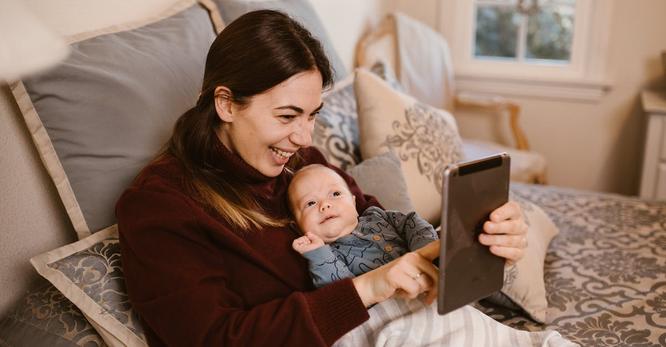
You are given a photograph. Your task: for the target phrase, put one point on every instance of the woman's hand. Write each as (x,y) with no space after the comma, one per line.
(407,276)
(506,232)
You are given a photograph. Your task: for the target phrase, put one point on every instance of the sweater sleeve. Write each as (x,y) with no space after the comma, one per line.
(412,228)
(177,283)
(325,267)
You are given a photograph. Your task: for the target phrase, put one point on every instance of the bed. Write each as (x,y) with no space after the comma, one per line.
(604,273)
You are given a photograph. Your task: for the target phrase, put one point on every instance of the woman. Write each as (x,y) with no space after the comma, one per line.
(203,229)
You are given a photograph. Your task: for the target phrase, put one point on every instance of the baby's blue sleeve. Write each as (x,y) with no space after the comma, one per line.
(325,267)
(416,231)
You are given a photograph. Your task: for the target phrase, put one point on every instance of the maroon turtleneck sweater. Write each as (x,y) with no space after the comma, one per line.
(197,281)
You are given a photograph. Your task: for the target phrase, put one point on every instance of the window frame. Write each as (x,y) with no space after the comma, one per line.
(584,78)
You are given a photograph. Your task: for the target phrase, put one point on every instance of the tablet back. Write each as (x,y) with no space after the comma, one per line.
(468,271)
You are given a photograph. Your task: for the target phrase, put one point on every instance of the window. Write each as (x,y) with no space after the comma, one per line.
(552,48)
(541,31)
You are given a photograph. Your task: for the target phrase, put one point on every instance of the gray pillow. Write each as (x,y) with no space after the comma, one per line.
(111,105)
(382,177)
(300,10)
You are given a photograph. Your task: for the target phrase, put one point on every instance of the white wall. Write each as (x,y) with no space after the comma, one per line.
(599,146)
(594,146)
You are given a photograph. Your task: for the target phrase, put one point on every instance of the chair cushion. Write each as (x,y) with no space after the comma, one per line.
(526,166)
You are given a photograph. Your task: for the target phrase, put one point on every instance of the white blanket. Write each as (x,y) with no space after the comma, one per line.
(425,67)
(398,322)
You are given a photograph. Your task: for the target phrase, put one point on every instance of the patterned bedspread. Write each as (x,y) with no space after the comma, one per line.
(605,272)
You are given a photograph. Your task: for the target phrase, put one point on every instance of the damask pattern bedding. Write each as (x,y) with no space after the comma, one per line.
(605,272)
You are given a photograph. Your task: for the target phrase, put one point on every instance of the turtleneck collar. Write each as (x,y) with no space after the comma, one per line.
(232,163)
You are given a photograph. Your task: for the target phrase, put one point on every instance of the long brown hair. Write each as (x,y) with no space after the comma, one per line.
(251,55)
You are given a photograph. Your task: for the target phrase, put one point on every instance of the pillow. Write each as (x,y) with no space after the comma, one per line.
(46,318)
(300,10)
(336,127)
(523,281)
(424,138)
(103,113)
(381,177)
(89,273)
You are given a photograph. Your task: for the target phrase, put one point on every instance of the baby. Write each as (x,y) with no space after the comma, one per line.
(337,242)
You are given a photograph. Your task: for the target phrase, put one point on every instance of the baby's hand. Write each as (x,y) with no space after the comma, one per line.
(307,243)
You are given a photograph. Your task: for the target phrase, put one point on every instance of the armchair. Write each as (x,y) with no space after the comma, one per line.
(421,61)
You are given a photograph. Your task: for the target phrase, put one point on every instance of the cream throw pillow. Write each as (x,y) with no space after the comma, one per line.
(523,281)
(423,137)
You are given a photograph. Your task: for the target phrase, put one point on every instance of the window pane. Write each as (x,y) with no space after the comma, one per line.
(496,31)
(550,32)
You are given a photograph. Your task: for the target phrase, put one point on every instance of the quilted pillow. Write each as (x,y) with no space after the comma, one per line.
(424,138)
(102,114)
(46,318)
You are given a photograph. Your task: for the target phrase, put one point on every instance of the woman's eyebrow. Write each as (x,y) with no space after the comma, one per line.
(298,109)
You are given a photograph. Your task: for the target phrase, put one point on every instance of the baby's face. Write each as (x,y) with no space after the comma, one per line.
(322,204)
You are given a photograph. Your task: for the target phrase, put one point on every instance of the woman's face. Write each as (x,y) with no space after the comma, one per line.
(267,131)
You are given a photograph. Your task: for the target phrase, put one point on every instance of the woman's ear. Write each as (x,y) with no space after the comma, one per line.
(223,103)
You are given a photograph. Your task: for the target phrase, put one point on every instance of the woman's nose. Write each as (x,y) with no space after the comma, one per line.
(302,134)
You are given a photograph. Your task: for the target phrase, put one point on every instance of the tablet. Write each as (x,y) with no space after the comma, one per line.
(470,191)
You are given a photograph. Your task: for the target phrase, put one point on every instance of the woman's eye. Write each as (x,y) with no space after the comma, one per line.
(287,117)
(313,116)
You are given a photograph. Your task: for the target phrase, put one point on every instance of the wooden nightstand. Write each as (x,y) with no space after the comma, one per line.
(653,179)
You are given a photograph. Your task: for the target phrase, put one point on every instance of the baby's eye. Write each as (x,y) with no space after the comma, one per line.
(310,204)
(337,193)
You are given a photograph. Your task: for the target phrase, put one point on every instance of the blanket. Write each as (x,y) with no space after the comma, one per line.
(397,322)
(416,69)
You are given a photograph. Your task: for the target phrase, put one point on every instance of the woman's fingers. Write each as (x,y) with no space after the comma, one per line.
(516,241)
(422,271)
(509,253)
(513,226)
(510,210)
(429,251)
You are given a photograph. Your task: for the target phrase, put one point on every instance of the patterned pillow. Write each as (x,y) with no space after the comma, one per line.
(424,138)
(46,318)
(89,274)
(336,129)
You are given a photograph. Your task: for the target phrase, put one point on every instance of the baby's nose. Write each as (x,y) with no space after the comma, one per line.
(325,206)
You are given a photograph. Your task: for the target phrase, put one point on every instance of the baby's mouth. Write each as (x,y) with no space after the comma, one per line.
(327,218)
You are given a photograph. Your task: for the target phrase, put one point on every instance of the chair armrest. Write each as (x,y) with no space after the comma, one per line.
(496,104)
